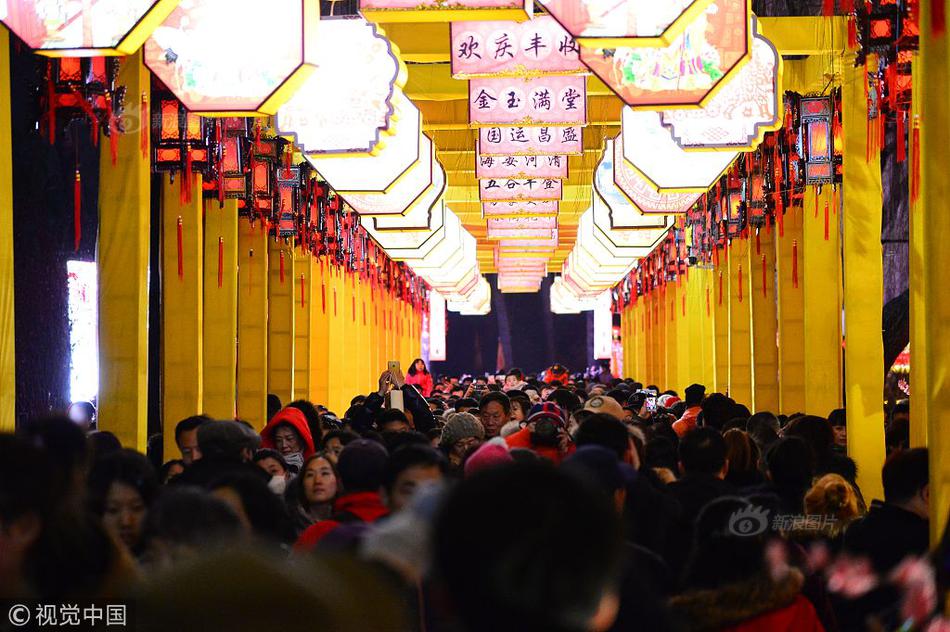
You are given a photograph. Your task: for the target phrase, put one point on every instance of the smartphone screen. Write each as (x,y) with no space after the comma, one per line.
(393,366)
(395,400)
(651,404)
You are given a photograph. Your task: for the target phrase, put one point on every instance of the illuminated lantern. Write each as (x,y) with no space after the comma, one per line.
(419,216)
(514,283)
(652,153)
(741,112)
(553,167)
(377,172)
(495,49)
(451,251)
(686,73)
(180,139)
(351,117)
(289,183)
(816,140)
(515,190)
(410,244)
(548,100)
(445,10)
(637,236)
(626,23)
(531,141)
(603,327)
(478,302)
(436,327)
(404,192)
(563,301)
(232,159)
(204,53)
(735,216)
(517,228)
(84,29)
(540,208)
(622,186)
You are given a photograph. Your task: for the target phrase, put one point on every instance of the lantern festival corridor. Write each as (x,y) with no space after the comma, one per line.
(485,315)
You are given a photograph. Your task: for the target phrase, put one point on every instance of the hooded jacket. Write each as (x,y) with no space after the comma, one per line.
(296,419)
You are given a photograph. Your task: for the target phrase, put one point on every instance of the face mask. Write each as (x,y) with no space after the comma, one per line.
(277,484)
(294,460)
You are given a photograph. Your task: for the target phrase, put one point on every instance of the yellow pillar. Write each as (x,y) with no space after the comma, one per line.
(319,335)
(363,336)
(7,338)
(863,290)
(790,316)
(338,398)
(821,267)
(918,324)
(764,323)
(930,302)
(252,324)
(740,333)
(182,307)
(720,302)
(671,348)
(281,313)
(124,236)
(220,308)
(303,356)
(707,328)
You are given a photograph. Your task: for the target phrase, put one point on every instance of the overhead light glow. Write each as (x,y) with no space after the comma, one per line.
(404,192)
(622,186)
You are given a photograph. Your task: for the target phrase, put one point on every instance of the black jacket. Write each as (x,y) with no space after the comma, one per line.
(888,534)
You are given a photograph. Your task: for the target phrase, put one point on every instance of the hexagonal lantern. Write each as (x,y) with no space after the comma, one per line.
(217,58)
(625,23)
(688,72)
(84,29)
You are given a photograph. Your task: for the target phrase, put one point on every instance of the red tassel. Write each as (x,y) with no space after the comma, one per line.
(720,288)
(852,32)
(144,125)
(684,305)
(303,296)
(708,308)
(77,211)
(828,7)
(113,139)
(181,253)
(758,244)
(364,314)
(250,269)
(938,17)
(715,256)
(281,267)
(827,222)
(780,217)
(765,276)
(334,301)
(220,261)
(901,137)
(740,282)
(323,297)
(915,166)
(795,263)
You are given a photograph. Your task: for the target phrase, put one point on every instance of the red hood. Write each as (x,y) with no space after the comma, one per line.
(295,418)
(367,506)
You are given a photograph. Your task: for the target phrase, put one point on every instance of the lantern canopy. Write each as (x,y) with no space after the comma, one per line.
(621,185)
(445,11)
(84,29)
(204,53)
(404,192)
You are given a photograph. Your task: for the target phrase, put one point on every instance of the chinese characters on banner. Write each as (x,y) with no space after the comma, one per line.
(530,141)
(492,49)
(552,100)
(554,167)
(519,223)
(547,208)
(498,190)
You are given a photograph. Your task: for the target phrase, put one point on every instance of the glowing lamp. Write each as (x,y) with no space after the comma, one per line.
(650,151)
(179,138)
(516,189)
(631,199)
(409,244)
(687,72)
(84,29)
(436,327)
(405,192)
(380,171)
(549,100)
(419,216)
(478,302)
(450,251)
(351,117)
(203,53)
(625,23)
(740,113)
(564,301)
(735,211)
(817,140)
(620,241)
(531,141)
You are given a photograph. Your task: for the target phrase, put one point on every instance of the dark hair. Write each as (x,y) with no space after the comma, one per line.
(743,456)
(678,409)
(267,453)
(26,485)
(817,434)
(528,581)
(659,451)
(294,494)
(468,402)
(567,400)
(702,451)
(606,431)
(65,443)
(357,400)
(904,474)
(725,549)
(389,415)
(518,373)
(495,396)
(717,409)
(345,436)
(839,416)
(393,440)
(103,443)
(125,466)
(166,469)
(790,464)
(312,415)
(193,517)
(762,419)
(412,367)
(362,466)
(411,455)
(635,401)
(188,424)
(273,405)
(265,511)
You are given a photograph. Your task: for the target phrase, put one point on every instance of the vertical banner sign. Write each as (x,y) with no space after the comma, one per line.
(531,141)
(492,49)
(552,100)
(603,328)
(436,327)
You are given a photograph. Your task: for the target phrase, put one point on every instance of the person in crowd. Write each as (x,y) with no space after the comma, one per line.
(789,471)
(83,414)
(462,433)
(556,374)
(545,433)
(418,376)
(122,486)
(410,467)
(335,441)
(309,497)
(273,463)
(226,447)
(833,500)
(530,580)
(703,465)
(566,399)
(899,526)
(764,430)
(695,393)
(262,512)
(494,411)
(520,405)
(838,420)
(186,438)
(169,470)
(514,378)
(743,457)
(603,404)
(415,408)
(274,405)
(733,583)
(314,420)
(288,433)
(817,434)
(362,470)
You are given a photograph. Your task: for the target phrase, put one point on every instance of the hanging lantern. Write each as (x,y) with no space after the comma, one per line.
(181,141)
(261,183)
(232,160)
(756,205)
(404,193)
(84,29)
(816,140)
(83,88)
(531,208)
(615,175)
(204,53)
(419,216)
(735,206)
(289,183)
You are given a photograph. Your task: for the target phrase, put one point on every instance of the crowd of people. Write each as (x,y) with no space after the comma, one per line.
(501,502)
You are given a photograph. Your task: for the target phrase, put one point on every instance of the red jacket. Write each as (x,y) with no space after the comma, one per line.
(358,507)
(423,381)
(687,422)
(296,419)
(798,616)
(522,439)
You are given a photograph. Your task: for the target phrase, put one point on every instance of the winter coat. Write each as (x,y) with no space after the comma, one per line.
(759,604)
(421,380)
(355,507)
(296,419)
(887,534)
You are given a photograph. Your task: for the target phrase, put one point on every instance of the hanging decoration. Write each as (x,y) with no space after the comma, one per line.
(516,189)
(83,89)
(405,191)
(550,167)
(204,53)
(84,29)
(550,100)
(499,49)
(614,174)
(531,208)
(531,141)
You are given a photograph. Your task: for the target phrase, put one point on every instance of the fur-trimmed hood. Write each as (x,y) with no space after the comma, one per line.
(714,609)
